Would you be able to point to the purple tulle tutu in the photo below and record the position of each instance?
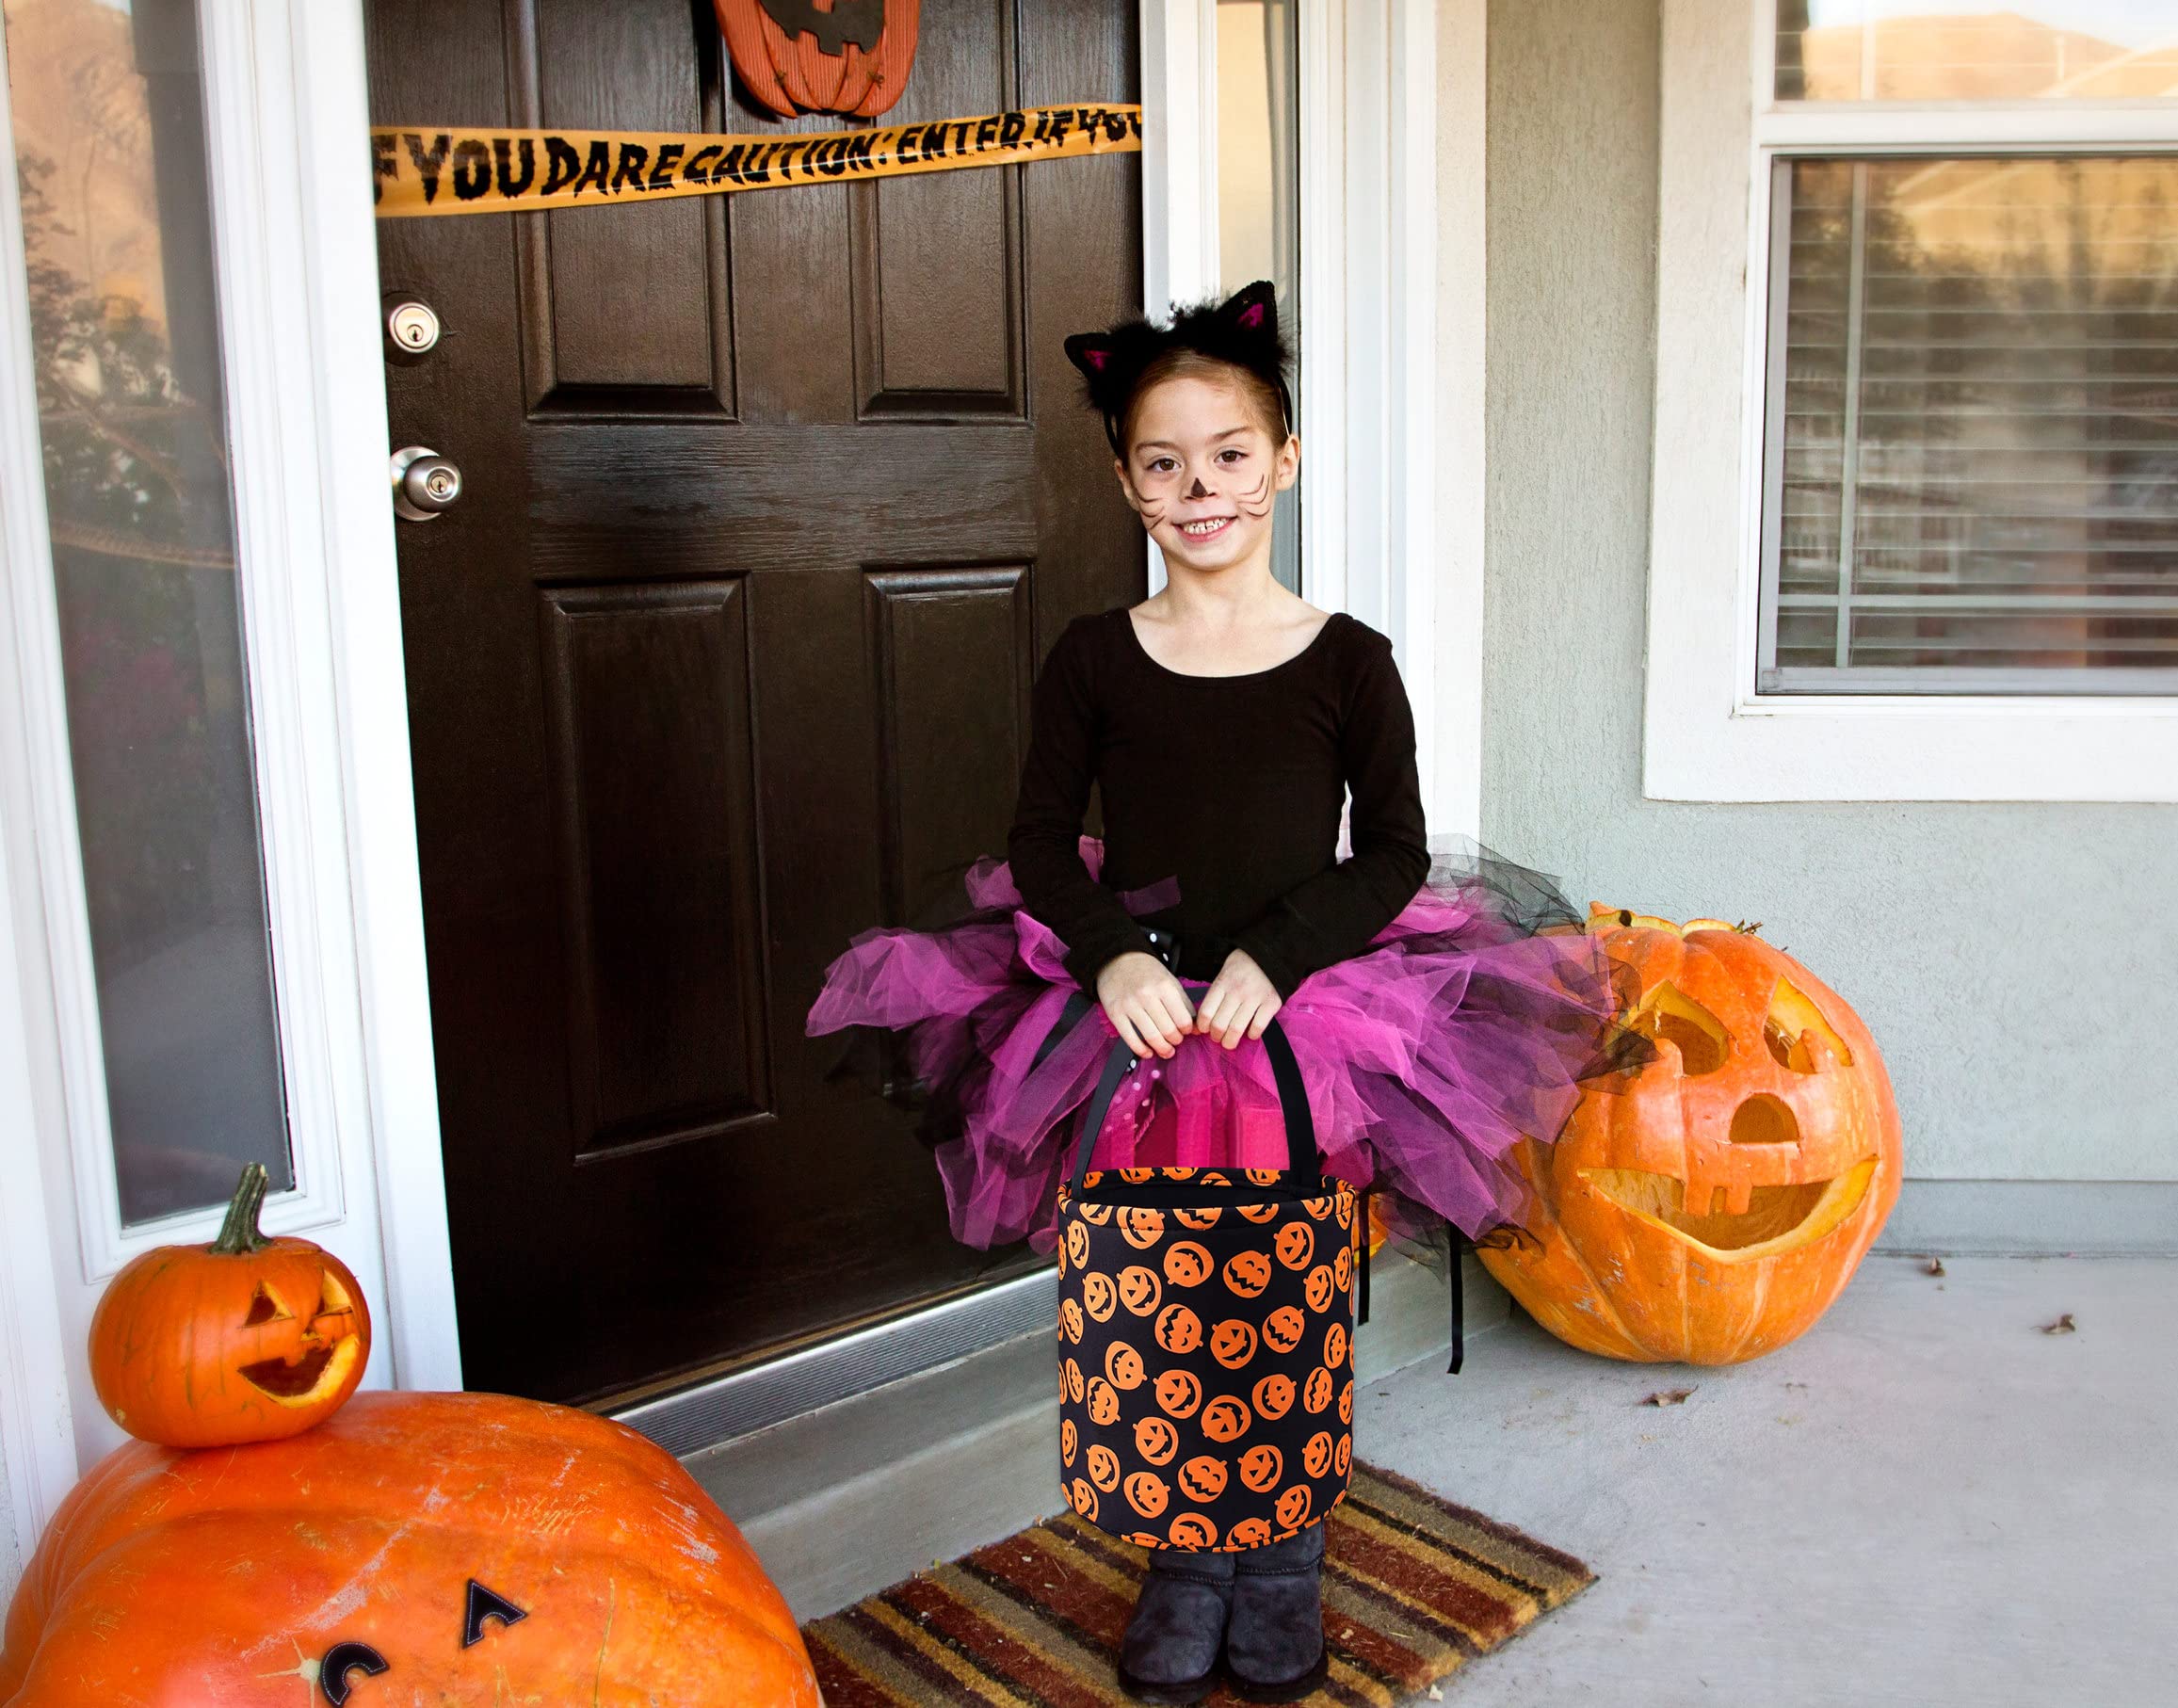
(1468, 1025)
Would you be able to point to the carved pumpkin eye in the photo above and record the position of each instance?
(265, 1306)
(1793, 1025)
(483, 1605)
(1669, 1015)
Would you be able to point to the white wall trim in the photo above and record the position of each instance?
(297, 265)
(311, 76)
(1373, 393)
(35, 1427)
(1707, 735)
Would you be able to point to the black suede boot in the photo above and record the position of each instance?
(1274, 1647)
(1169, 1652)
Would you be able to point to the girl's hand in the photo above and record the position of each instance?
(1239, 1003)
(1147, 1006)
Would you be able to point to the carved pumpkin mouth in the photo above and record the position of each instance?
(316, 1373)
(1777, 1219)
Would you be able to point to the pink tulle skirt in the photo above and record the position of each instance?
(1468, 1025)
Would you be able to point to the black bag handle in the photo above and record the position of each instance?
(1300, 1149)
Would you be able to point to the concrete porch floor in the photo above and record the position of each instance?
(1923, 1501)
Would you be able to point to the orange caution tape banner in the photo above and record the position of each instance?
(425, 170)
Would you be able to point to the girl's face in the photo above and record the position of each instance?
(1203, 473)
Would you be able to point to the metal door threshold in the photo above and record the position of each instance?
(748, 1400)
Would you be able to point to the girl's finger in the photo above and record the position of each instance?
(1236, 1027)
(1263, 1017)
(1178, 1020)
(1152, 1024)
(1125, 1028)
(1208, 1013)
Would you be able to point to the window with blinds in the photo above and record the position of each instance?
(1971, 439)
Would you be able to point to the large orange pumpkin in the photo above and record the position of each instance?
(248, 1339)
(1710, 1205)
(443, 1548)
(822, 56)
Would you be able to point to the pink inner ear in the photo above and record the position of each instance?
(1096, 358)
(1253, 315)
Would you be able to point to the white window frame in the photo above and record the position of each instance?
(1707, 735)
(296, 257)
(1391, 357)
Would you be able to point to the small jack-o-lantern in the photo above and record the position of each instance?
(1140, 1289)
(1179, 1393)
(1102, 1465)
(822, 56)
(1293, 1507)
(1232, 1342)
(1147, 1493)
(1321, 1287)
(1226, 1418)
(1123, 1365)
(1284, 1327)
(1192, 1531)
(1179, 1329)
(412, 1548)
(248, 1339)
(1188, 1262)
(1260, 1466)
(1709, 1205)
(1247, 1273)
(1274, 1396)
(1203, 1478)
(1140, 1228)
(1155, 1439)
(1099, 1296)
(1296, 1244)
(1315, 1394)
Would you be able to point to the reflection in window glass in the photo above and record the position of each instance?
(1973, 49)
(109, 151)
(1973, 442)
(1258, 187)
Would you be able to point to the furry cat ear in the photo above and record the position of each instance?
(1254, 308)
(1093, 353)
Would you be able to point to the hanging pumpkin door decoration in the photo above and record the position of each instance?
(822, 56)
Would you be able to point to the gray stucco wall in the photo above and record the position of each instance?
(11, 1556)
(2017, 963)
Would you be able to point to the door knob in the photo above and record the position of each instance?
(425, 483)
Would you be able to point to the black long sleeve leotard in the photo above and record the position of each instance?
(1231, 785)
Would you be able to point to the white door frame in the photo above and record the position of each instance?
(1391, 352)
(297, 263)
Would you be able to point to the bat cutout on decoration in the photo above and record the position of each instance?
(794, 59)
(860, 21)
(485, 1605)
(340, 1661)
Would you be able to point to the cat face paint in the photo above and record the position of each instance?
(1204, 474)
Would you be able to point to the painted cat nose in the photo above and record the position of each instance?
(1199, 489)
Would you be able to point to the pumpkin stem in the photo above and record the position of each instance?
(239, 1234)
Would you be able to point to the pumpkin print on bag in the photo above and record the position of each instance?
(1068, 1440)
(1208, 1426)
(1179, 1329)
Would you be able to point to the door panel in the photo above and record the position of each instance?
(773, 502)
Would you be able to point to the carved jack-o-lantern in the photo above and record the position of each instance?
(1247, 1273)
(1709, 1205)
(1140, 1289)
(1099, 1296)
(1260, 1466)
(822, 56)
(1284, 1327)
(1179, 1393)
(1191, 1530)
(1274, 1396)
(248, 1339)
(1123, 1365)
(1147, 1494)
(1203, 1478)
(1296, 1244)
(1102, 1465)
(1226, 1419)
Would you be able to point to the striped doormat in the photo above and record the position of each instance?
(1413, 1586)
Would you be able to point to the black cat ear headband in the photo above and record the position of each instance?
(1242, 330)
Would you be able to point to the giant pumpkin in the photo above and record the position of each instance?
(248, 1339)
(1710, 1205)
(443, 1548)
(822, 56)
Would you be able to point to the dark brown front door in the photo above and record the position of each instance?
(773, 503)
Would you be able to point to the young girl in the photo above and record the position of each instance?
(1224, 723)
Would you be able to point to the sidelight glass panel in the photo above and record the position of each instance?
(1258, 187)
(1971, 447)
(1976, 49)
(109, 151)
